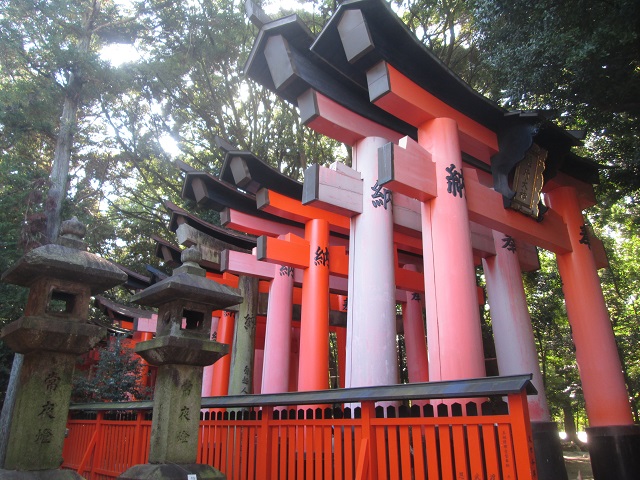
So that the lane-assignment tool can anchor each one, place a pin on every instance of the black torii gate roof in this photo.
(376, 34)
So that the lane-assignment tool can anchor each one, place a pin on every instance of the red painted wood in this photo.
(327, 449)
(417, 443)
(490, 446)
(459, 452)
(446, 455)
(291, 209)
(411, 103)
(291, 452)
(405, 451)
(433, 457)
(605, 393)
(338, 453)
(340, 123)
(475, 452)
(522, 436)
(278, 453)
(506, 452)
(337, 449)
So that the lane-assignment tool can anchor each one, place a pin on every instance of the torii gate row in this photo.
(366, 129)
(558, 232)
(338, 189)
(333, 119)
(365, 43)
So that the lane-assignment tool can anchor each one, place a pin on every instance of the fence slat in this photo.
(489, 442)
(392, 449)
(405, 452)
(475, 452)
(291, 451)
(495, 445)
(446, 458)
(459, 451)
(506, 452)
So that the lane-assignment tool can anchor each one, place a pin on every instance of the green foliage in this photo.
(114, 378)
(581, 59)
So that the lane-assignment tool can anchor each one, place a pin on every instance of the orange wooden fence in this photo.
(266, 440)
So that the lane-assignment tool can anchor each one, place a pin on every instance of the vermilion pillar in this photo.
(613, 440)
(414, 336)
(511, 322)
(453, 321)
(277, 344)
(371, 328)
(220, 380)
(314, 328)
(605, 393)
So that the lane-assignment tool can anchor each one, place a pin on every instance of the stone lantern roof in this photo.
(66, 260)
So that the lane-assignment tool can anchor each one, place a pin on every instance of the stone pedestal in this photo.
(180, 350)
(548, 450)
(615, 452)
(61, 279)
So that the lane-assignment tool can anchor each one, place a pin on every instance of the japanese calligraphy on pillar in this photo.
(185, 413)
(44, 436)
(182, 436)
(246, 379)
(455, 182)
(509, 243)
(286, 271)
(249, 321)
(187, 387)
(51, 381)
(381, 197)
(584, 236)
(415, 296)
(321, 257)
(47, 409)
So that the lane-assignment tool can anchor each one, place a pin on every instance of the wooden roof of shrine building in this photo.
(362, 37)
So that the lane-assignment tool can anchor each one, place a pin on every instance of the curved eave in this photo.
(261, 175)
(178, 215)
(310, 72)
(291, 28)
(394, 43)
(220, 195)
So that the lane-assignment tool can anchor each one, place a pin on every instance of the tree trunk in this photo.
(68, 123)
(7, 407)
(570, 424)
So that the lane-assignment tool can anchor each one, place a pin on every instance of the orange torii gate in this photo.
(365, 54)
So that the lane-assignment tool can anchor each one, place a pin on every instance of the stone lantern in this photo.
(53, 331)
(181, 350)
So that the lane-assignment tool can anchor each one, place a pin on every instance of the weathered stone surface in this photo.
(57, 261)
(181, 351)
(244, 337)
(171, 472)
(189, 287)
(40, 412)
(176, 414)
(29, 334)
